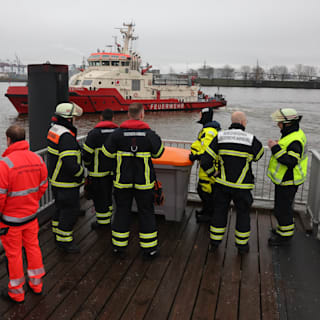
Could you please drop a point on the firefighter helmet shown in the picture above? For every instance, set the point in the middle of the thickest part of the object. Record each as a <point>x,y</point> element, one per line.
<point>285,115</point>
<point>68,110</point>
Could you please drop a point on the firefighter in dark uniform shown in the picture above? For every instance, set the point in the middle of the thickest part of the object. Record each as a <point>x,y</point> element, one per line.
<point>66,174</point>
<point>287,170</point>
<point>133,145</point>
<point>235,150</point>
<point>205,184</point>
<point>100,169</point>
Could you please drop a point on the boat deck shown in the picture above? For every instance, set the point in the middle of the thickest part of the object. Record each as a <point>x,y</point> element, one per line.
<point>185,281</point>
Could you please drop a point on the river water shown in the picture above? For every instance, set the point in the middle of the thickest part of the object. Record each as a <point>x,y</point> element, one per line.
<point>257,103</point>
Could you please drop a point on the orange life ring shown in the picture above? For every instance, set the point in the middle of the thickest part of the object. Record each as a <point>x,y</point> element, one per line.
<point>192,93</point>
<point>135,95</point>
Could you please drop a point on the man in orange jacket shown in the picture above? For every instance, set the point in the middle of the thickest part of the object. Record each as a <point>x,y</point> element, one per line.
<point>23,181</point>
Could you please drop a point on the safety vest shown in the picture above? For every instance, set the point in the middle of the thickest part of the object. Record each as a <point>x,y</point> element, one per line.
<point>277,170</point>
<point>59,176</point>
<point>205,136</point>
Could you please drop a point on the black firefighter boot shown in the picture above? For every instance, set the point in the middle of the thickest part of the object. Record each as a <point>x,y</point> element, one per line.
<point>68,247</point>
<point>276,240</point>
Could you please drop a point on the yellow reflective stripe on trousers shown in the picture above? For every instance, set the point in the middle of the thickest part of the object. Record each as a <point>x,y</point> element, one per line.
<point>120,234</point>
<point>285,233</point>
<point>285,228</point>
<point>64,239</point>
<point>119,243</point>
<point>148,235</point>
<point>148,244</point>
<point>216,237</point>
<point>217,230</point>
<point>103,214</point>
<point>241,241</point>
<point>242,234</point>
<point>64,233</point>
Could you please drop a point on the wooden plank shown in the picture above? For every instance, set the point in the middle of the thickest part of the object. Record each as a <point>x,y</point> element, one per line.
<point>192,277</point>
<point>110,281</point>
<point>229,289</point>
<point>207,299</point>
<point>249,306</point>
<point>143,296</point>
<point>164,297</point>
<point>269,308</point>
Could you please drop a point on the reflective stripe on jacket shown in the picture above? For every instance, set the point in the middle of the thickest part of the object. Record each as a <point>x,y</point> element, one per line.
<point>235,150</point>
<point>277,170</point>
<point>133,145</point>
<point>94,159</point>
<point>23,181</point>
<point>64,158</point>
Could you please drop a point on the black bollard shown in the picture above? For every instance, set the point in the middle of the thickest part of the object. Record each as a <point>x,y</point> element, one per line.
<point>48,86</point>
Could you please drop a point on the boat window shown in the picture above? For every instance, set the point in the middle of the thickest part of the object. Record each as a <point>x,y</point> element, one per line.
<point>114,63</point>
<point>76,82</point>
<point>135,85</point>
<point>106,63</point>
<point>86,82</point>
<point>123,63</point>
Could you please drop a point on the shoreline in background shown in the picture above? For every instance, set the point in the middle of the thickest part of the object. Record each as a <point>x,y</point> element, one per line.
<point>228,83</point>
<point>258,83</point>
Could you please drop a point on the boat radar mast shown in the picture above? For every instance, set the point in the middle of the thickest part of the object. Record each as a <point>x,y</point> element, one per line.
<point>127,36</point>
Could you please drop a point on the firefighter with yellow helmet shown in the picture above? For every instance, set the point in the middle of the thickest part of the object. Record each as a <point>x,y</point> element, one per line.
<point>287,170</point>
<point>66,174</point>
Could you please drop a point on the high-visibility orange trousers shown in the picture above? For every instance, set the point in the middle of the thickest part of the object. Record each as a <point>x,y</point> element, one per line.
<point>17,237</point>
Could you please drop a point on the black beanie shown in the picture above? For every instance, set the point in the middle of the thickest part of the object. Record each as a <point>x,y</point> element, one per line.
<point>206,115</point>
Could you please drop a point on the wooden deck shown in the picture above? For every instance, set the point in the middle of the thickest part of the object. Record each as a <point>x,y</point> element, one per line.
<point>184,282</point>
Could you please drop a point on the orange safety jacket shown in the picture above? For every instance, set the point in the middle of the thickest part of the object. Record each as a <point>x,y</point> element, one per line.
<point>23,181</point>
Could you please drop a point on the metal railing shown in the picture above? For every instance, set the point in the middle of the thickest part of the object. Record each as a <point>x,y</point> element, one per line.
<point>313,202</point>
<point>264,188</point>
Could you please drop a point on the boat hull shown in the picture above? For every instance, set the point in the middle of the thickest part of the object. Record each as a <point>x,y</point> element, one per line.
<point>94,101</point>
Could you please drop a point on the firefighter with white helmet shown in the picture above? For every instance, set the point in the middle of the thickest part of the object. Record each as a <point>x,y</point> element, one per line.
<point>287,170</point>
<point>66,173</point>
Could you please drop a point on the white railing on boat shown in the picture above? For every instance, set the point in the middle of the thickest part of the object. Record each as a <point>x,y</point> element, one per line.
<point>263,192</point>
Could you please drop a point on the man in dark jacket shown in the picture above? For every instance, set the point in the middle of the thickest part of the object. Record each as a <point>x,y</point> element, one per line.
<point>23,181</point>
<point>100,169</point>
<point>66,174</point>
<point>133,145</point>
<point>235,150</point>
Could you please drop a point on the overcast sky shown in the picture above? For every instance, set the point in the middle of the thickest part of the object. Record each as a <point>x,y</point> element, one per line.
<point>172,33</point>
